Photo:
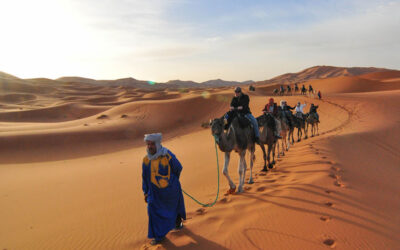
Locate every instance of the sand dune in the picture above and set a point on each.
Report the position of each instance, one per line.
(353, 84)
(70, 175)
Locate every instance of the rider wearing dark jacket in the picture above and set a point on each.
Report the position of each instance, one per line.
(240, 104)
(288, 108)
(241, 100)
(313, 109)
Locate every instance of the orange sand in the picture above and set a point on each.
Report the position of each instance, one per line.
(72, 180)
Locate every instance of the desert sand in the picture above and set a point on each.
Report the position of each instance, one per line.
(70, 168)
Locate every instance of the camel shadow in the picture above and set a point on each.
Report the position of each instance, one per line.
(197, 241)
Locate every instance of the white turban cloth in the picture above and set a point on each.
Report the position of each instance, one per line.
(156, 138)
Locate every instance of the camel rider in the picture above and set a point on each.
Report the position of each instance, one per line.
(310, 88)
(271, 110)
(286, 107)
(313, 110)
(240, 103)
(282, 88)
(299, 110)
(286, 112)
(303, 89)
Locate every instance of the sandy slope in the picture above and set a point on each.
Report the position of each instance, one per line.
(64, 185)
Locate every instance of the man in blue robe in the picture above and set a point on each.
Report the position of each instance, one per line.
(162, 189)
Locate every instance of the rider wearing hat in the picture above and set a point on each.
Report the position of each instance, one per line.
(240, 104)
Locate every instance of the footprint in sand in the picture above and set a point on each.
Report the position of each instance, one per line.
(247, 188)
(329, 242)
(200, 211)
(324, 157)
(328, 191)
(325, 218)
(269, 181)
(260, 189)
(339, 184)
(334, 176)
(262, 174)
(223, 200)
(329, 204)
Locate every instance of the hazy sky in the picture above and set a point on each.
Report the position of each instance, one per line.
(197, 40)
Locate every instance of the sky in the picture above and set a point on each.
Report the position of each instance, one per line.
(198, 40)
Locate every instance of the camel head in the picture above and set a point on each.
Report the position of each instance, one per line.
(262, 120)
(217, 126)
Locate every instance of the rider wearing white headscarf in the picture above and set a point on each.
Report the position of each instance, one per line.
(156, 138)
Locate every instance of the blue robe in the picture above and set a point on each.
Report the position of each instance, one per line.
(164, 193)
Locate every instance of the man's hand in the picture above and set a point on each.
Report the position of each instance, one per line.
(240, 108)
(145, 198)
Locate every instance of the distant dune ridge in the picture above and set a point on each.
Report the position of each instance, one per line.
(172, 84)
(320, 72)
(71, 152)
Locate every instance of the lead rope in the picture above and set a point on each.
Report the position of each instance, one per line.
(216, 198)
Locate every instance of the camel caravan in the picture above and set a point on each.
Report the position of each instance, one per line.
(239, 131)
(295, 90)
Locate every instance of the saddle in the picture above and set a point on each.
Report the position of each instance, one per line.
(243, 121)
(313, 115)
(299, 115)
(270, 120)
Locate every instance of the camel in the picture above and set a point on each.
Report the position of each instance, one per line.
(282, 91)
(300, 124)
(303, 91)
(240, 140)
(310, 90)
(312, 119)
(290, 117)
(296, 89)
(267, 137)
(284, 133)
(289, 90)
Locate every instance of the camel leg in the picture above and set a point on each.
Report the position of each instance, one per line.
(312, 130)
(266, 159)
(288, 143)
(264, 154)
(277, 149)
(251, 181)
(226, 173)
(292, 136)
(273, 153)
(270, 148)
(306, 131)
(317, 129)
(299, 134)
(242, 170)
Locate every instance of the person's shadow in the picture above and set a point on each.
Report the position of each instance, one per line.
(197, 242)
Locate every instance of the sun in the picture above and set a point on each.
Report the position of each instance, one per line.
(40, 37)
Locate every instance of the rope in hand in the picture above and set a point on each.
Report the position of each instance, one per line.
(216, 198)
